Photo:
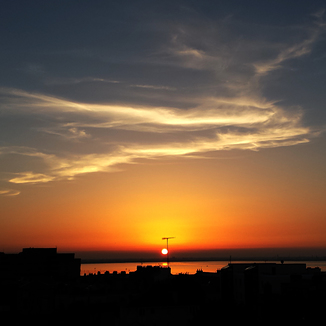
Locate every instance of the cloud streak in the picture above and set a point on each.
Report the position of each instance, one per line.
(79, 137)
(225, 124)
(9, 192)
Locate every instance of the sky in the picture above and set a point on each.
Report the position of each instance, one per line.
(123, 122)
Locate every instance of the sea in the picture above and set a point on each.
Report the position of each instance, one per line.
(179, 267)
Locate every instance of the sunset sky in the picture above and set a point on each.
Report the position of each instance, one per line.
(122, 122)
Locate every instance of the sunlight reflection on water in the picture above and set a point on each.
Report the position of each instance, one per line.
(177, 267)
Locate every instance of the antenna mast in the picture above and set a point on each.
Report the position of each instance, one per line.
(167, 248)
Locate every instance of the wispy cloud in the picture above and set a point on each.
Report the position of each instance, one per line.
(31, 177)
(72, 133)
(87, 137)
(71, 81)
(166, 88)
(60, 168)
(238, 123)
(218, 50)
(295, 51)
(9, 192)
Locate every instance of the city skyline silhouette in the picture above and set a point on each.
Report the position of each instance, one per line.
(45, 286)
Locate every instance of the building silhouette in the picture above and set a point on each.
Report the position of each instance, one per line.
(45, 287)
(39, 263)
(290, 291)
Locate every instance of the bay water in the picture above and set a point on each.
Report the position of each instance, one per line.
(179, 267)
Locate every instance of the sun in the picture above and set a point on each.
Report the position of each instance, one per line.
(164, 251)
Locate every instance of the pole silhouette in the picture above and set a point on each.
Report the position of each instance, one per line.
(167, 248)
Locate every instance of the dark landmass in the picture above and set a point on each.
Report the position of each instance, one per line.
(199, 259)
(43, 287)
(255, 254)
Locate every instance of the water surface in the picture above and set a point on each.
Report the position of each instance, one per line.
(178, 267)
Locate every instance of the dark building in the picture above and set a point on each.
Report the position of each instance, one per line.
(292, 292)
(248, 282)
(233, 283)
(152, 273)
(270, 279)
(38, 263)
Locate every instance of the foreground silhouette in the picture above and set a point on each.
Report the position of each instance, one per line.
(44, 287)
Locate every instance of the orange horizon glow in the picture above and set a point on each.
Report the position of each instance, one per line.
(205, 204)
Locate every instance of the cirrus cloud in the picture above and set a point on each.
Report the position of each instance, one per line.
(61, 138)
(217, 124)
(9, 192)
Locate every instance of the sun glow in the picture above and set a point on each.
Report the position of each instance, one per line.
(164, 251)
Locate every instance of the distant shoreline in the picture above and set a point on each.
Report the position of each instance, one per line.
(176, 260)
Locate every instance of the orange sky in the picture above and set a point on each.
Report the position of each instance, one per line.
(231, 200)
(122, 124)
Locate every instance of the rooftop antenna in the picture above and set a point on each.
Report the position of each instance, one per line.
(167, 248)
